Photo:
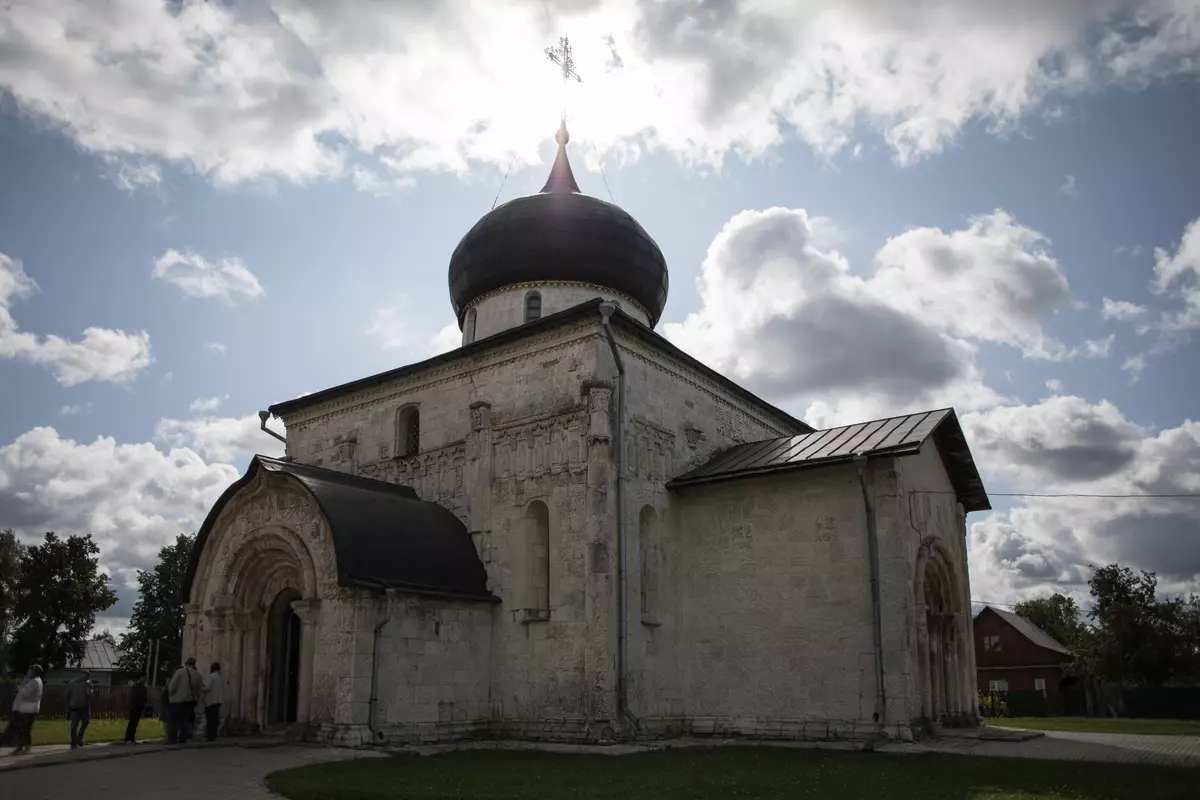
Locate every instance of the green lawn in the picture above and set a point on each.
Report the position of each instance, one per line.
(1162, 727)
(57, 731)
(729, 772)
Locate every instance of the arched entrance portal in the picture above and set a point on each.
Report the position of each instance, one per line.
(284, 633)
(944, 683)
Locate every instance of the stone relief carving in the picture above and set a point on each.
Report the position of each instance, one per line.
(435, 475)
(548, 444)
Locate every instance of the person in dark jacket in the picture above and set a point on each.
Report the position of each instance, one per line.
(137, 706)
(79, 706)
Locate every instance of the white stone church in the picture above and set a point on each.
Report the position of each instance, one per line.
(569, 529)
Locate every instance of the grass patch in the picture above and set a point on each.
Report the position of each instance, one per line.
(729, 772)
(1158, 727)
(58, 731)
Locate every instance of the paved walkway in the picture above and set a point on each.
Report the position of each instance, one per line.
(204, 773)
(1122, 748)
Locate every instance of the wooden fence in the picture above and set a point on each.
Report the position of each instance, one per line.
(108, 702)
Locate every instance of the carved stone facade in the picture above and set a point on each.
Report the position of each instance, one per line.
(750, 614)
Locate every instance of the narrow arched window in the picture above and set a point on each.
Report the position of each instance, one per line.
(469, 328)
(537, 559)
(408, 431)
(648, 562)
(533, 306)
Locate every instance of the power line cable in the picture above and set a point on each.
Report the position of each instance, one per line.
(502, 180)
(1066, 494)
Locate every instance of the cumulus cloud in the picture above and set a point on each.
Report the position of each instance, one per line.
(991, 281)
(393, 327)
(73, 410)
(1177, 275)
(293, 88)
(1122, 310)
(132, 175)
(102, 354)
(1066, 444)
(223, 439)
(133, 498)
(207, 404)
(225, 278)
(1134, 366)
(791, 320)
(215, 348)
(1069, 187)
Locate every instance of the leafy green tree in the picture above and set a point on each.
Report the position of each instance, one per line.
(11, 550)
(1139, 639)
(1057, 615)
(105, 636)
(158, 612)
(59, 592)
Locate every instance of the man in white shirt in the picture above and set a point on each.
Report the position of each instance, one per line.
(26, 706)
(214, 696)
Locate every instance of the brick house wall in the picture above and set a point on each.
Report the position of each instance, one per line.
(1003, 653)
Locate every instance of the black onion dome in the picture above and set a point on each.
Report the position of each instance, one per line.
(559, 234)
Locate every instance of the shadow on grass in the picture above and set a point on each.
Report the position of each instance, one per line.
(58, 731)
(727, 772)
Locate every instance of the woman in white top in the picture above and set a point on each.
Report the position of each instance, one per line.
(26, 706)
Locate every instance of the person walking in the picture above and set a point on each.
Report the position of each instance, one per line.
(25, 708)
(79, 706)
(185, 687)
(138, 696)
(214, 696)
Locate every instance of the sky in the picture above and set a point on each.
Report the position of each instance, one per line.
(867, 208)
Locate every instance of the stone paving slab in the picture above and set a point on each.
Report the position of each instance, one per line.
(174, 773)
(1119, 748)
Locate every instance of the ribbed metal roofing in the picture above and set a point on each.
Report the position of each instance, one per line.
(894, 436)
(1030, 631)
(99, 656)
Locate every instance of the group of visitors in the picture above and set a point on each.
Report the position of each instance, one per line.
(183, 693)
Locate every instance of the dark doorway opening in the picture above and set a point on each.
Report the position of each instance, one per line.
(284, 662)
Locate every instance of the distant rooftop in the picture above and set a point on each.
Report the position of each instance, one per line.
(1030, 631)
(99, 656)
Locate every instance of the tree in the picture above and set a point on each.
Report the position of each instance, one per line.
(1058, 616)
(11, 550)
(59, 592)
(158, 612)
(105, 636)
(1139, 639)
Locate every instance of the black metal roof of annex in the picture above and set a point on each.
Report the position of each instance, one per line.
(895, 436)
(559, 234)
(384, 536)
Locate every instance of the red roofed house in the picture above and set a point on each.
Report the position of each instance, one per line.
(1014, 655)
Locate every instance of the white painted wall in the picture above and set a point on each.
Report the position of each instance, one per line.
(505, 308)
(434, 669)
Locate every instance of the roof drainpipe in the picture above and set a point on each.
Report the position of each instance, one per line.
(606, 312)
(376, 734)
(860, 461)
(263, 416)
